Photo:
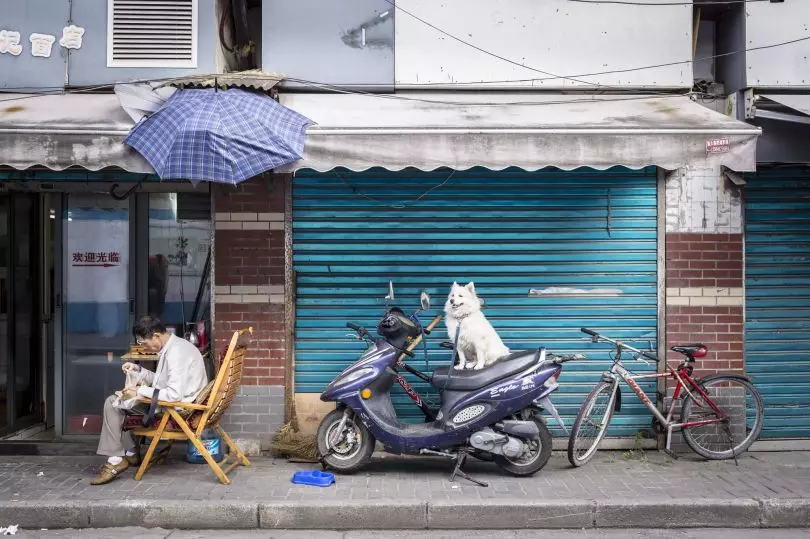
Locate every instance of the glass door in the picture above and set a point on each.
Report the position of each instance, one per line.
(97, 307)
(20, 354)
(5, 345)
(26, 346)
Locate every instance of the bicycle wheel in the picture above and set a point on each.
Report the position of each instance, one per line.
(591, 424)
(736, 396)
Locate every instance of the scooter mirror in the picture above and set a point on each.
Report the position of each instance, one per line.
(424, 299)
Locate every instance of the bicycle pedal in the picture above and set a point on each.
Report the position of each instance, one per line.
(671, 454)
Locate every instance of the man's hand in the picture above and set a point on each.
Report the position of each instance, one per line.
(127, 394)
(130, 367)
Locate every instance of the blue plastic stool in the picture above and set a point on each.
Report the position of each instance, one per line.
(313, 478)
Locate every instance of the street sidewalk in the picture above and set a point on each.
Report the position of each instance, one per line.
(616, 490)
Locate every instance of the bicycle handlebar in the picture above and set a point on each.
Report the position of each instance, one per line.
(618, 344)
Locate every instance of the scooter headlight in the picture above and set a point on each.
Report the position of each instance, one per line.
(355, 375)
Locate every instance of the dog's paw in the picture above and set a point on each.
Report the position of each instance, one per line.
(478, 367)
(458, 367)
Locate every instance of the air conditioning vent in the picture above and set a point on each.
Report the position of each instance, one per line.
(152, 33)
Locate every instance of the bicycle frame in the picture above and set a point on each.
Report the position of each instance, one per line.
(682, 378)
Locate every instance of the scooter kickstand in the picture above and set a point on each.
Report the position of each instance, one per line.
(461, 459)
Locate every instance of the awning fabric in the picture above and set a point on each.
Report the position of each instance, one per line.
(61, 131)
(497, 131)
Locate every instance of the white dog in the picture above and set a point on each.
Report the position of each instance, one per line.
(477, 338)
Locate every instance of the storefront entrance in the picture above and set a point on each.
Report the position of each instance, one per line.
(77, 266)
(122, 258)
(22, 388)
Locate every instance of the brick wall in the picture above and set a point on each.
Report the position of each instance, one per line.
(249, 291)
(704, 297)
(704, 267)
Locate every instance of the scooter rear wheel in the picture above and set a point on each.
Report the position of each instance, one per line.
(354, 445)
(537, 456)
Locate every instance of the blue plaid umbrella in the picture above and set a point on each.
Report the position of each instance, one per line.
(225, 136)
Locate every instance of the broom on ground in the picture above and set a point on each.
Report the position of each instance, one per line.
(295, 446)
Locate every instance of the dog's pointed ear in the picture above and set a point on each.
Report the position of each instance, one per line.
(454, 285)
(471, 287)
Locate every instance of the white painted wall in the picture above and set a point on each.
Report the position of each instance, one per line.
(768, 24)
(556, 36)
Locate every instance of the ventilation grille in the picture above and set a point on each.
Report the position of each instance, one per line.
(152, 33)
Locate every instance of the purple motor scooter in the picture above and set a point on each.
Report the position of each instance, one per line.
(492, 414)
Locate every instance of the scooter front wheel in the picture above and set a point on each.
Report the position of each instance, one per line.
(348, 450)
(535, 456)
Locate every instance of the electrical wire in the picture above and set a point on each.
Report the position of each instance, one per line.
(696, 4)
(401, 206)
(347, 88)
(626, 70)
(599, 98)
(484, 51)
(399, 97)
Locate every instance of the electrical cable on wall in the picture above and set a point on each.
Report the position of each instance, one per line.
(696, 4)
(58, 90)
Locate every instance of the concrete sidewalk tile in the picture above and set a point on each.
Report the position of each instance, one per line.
(45, 514)
(344, 515)
(519, 513)
(186, 515)
(678, 513)
(786, 513)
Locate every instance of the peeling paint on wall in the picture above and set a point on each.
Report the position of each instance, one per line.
(702, 200)
(556, 291)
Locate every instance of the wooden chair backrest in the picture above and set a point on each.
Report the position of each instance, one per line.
(228, 379)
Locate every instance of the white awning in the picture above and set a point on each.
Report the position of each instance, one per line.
(61, 131)
(498, 131)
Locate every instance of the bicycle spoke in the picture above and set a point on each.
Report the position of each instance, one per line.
(734, 429)
(590, 426)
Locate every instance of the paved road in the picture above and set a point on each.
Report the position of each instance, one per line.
(608, 476)
(141, 533)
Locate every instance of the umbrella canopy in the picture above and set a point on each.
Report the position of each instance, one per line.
(224, 136)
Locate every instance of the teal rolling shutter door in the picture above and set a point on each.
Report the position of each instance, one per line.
(508, 231)
(777, 284)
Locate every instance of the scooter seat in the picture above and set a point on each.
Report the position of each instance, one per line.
(468, 380)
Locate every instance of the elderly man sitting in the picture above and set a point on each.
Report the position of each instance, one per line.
(179, 377)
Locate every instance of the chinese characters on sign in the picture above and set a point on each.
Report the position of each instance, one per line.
(96, 260)
(41, 44)
(72, 37)
(10, 43)
(717, 145)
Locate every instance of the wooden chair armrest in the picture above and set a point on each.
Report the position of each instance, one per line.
(168, 404)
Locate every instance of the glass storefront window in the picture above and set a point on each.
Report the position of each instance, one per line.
(179, 243)
(97, 309)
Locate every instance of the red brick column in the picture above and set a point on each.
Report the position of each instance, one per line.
(704, 297)
(249, 291)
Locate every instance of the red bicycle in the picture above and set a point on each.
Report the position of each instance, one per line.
(721, 415)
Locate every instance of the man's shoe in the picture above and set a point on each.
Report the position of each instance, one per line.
(109, 472)
(134, 460)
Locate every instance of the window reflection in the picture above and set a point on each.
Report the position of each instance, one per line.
(179, 242)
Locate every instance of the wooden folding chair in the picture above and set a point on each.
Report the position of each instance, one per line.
(186, 421)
